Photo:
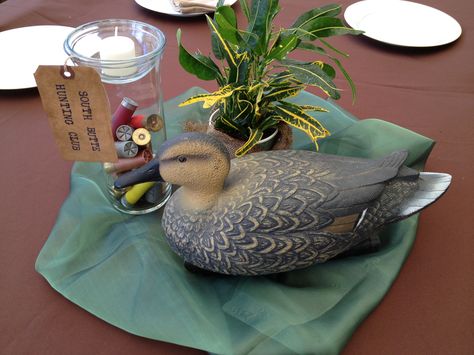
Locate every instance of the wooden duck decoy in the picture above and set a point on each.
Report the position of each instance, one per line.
(277, 211)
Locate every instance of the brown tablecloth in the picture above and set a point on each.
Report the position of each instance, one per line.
(429, 310)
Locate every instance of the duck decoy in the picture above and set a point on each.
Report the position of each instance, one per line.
(276, 211)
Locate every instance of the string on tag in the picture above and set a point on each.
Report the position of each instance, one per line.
(67, 72)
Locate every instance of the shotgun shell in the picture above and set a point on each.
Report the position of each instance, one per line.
(141, 136)
(123, 114)
(124, 133)
(148, 147)
(138, 121)
(126, 149)
(109, 168)
(118, 193)
(154, 122)
(132, 196)
(155, 194)
(147, 154)
(128, 164)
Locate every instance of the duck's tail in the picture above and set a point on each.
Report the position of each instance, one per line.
(401, 199)
(404, 196)
(431, 186)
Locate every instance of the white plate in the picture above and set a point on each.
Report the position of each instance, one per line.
(23, 49)
(403, 23)
(165, 7)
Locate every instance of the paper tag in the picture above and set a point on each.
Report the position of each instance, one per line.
(78, 111)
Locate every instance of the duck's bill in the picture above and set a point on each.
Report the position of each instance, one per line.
(148, 172)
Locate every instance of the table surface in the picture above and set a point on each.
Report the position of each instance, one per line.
(429, 309)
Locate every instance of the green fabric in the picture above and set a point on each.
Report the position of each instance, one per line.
(119, 267)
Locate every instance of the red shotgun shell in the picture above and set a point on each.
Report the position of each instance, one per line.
(123, 114)
(138, 121)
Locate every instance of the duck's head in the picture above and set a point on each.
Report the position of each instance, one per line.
(197, 161)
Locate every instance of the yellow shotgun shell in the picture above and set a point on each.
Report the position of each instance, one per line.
(132, 196)
(141, 136)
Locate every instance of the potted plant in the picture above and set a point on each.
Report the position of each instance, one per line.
(255, 75)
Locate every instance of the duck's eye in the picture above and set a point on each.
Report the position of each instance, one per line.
(182, 159)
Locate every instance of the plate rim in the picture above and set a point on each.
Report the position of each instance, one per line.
(350, 20)
(24, 85)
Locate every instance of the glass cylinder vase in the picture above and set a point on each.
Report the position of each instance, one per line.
(127, 55)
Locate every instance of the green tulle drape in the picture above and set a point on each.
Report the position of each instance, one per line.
(119, 267)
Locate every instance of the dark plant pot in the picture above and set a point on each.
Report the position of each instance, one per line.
(280, 138)
(268, 142)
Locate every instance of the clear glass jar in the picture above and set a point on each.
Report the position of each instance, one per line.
(127, 55)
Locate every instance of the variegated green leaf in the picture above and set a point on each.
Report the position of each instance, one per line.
(210, 64)
(283, 93)
(280, 79)
(311, 15)
(256, 87)
(211, 99)
(238, 74)
(312, 74)
(262, 13)
(228, 50)
(243, 115)
(283, 45)
(255, 136)
(268, 122)
(258, 104)
(217, 49)
(313, 108)
(348, 78)
(296, 117)
(228, 123)
(312, 47)
(328, 26)
(331, 47)
(227, 24)
(329, 70)
(196, 64)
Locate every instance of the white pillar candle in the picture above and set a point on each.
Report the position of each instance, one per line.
(117, 48)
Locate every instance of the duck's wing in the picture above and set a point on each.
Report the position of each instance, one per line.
(358, 182)
(301, 189)
(355, 172)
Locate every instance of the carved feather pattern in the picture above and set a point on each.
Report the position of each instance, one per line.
(272, 214)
